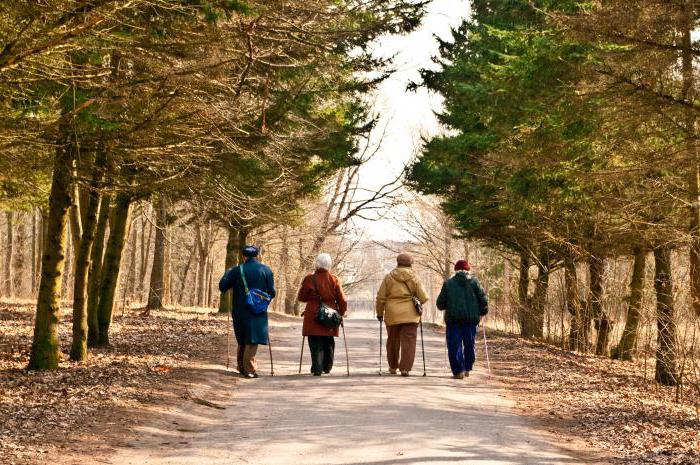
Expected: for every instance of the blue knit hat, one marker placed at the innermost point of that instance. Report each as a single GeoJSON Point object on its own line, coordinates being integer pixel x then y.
{"type": "Point", "coordinates": [250, 251]}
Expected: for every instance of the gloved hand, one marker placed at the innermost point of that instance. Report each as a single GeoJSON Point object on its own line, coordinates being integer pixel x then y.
{"type": "Point", "coordinates": [380, 318]}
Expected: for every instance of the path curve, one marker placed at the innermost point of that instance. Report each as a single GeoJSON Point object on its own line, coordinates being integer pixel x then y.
{"type": "Point", "coordinates": [363, 419]}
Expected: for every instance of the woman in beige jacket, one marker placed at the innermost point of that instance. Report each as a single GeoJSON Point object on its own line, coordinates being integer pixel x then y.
{"type": "Point", "coordinates": [395, 307]}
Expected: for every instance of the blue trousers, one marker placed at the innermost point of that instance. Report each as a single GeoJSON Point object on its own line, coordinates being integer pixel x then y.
{"type": "Point", "coordinates": [461, 338]}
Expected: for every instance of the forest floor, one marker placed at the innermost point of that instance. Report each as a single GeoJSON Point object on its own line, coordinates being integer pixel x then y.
{"type": "Point", "coordinates": [162, 394]}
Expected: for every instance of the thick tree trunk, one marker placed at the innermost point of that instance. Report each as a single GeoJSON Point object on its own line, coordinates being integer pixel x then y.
{"type": "Point", "coordinates": [91, 206]}
{"type": "Point", "coordinates": [628, 343]}
{"type": "Point", "coordinates": [233, 248]}
{"type": "Point", "coordinates": [666, 371]}
{"type": "Point", "coordinates": [523, 285]}
{"type": "Point", "coordinates": [596, 268]}
{"type": "Point", "coordinates": [534, 324]}
{"type": "Point", "coordinates": [45, 353]}
{"type": "Point", "coordinates": [577, 333]}
{"type": "Point", "coordinates": [9, 248]}
{"type": "Point", "coordinates": [118, 231]}
{"type": "Point", "coordinates": [156, 288]}
{"type": "Point", "coordinates": [95, 272]}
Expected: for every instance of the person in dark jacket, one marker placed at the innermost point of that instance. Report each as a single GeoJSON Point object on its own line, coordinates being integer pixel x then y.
{"type": "Point", "coordinates": [324, 286]}
{"type": "Point", "coordinates": [250, 329]}
{"type": "Point", "coordinates": [464, 302]}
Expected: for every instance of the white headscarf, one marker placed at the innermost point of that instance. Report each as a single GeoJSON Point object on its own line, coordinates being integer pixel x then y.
{"type": "Point", "coordinates": [324, 262]}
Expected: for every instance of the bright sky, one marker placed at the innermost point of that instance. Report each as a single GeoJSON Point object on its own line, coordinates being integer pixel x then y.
{"type": "Point", "coordinates": [406, 116]}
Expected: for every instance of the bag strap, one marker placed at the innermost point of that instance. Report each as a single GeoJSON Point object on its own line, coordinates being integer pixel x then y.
{"type": "Point", "coordinates": [320, 299]}
{"type": "Point", "coordinates": [245, 283]}
{"type": "Point", "coordinates": [409, 289]}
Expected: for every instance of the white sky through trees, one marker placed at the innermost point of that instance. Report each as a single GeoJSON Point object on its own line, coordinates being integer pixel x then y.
{"type": "Point", "coordinates": [406, 116]}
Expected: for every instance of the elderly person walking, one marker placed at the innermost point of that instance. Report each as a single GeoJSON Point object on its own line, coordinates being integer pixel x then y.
{"type": "Point", "coordinates": [250, 328]}
{"type": "Point", "coordinates": [321, 286]}
{"type": "Point", "coordinates": [464, 302]}
{"type": "Point", "coordinates": [396, 308]}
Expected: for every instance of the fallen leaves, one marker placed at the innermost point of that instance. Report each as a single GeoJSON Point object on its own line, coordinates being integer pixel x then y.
{"type": "Point", "coordinates": [607, 403]}
{"type": "Point", "coordinates": [40, 411]}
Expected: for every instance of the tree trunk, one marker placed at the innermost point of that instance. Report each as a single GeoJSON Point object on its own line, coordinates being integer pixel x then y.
{"type": "Point", "coordinates": [95, 272]}
{"type": "Point", "coordinates": [131, 284]}
{"type": "Point", "coordinates": [118, 225]}
{"type": "Point", "coordinates": [78, 351]}
{"type": "Point", "coordinates": [186, 272]}
{"type": "Point", "coordinates": [666, 372]}
{"type": "Point", "coordinates": [577, 333]}
{"type": "Point", "coordinates": [34, 250]}
{"type": "Point", "coordinates": [688, 81]}
{"type": "Point", "coordinates": [145, 245]}
{"type": "Point", "coordinates": [45, 352]}
{"type": "Point", "coordinates": [628, 342]}
{"type": "Point", "coordinates": [596, 268]}
{"type": "Point", "coordinates": [233, 248]}
{"type": "Point", "coordinates": [167, 269]}
{"type": "Point", "coordinates": [9, 248]}
{"type": "Point", "coordinates": [534, 324]}
{"type": "Point", "coordinates": [156, 287]}
{"type": "Point", "coordinates": [19, 262]}
{"type": "Point", "coordinates": [523, 285]}
{"type": "Point", "coordinates": [210, 273]}
{"type": "Point", "coordinates": [202, 243]}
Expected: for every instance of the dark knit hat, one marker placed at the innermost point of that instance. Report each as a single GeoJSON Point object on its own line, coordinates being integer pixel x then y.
{"type": "Point", "coordinates": [404, 259]}
{"type": "Point", "coordinates": [250, 251]}
{"type": "Point", "coordinates": [462, 265]}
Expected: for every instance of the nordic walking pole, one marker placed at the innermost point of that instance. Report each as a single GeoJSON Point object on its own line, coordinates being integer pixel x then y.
{"type": "Point", "coordinates": [301, 356]}
{"type": "Point", "coordinates": [228, 341]}
{"type": "Point", "coordinates": [380, 347]}
{"type": "Point", "coordinates": [345, 343]}
{"type": "Point", "coordinates": [486, 347]}
{"type": "Point", "coordinates": [272, 366]}
{"type": "Point", "coordinates": [422, 346]}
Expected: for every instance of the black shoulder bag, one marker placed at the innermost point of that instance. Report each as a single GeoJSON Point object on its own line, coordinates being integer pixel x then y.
{"type": "Point", "coordinates": [326, 316]}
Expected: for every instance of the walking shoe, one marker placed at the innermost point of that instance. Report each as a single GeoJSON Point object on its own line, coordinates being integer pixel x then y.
{"type": "Point", "coordinates": [466, 374]}
{"type": "Point", "coordinates": [316, 373]}
{"type": "Point", "coordinates": [404, 373]}
{"type": "Point", "coordinates": [458, 376]}
{"type": "Point", "coordinates": [392, 371]}
{"type": "Point", "coordinates": [251, 375]}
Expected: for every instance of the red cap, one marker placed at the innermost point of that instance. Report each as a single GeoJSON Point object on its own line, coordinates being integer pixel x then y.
{"type": "Point", "coordinates": [462, 265]}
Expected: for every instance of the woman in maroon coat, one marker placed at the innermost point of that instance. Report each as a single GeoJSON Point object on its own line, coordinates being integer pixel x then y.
{"type": "Point", "coordinates": [321, 339]}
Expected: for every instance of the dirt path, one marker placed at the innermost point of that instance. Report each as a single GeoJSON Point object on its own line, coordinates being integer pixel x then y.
{"type": "Point", "coordinates": [363, 419]}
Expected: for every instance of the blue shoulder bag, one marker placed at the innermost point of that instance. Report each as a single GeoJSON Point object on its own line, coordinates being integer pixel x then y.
{"type": "Point", "coordinates": [257, 299]}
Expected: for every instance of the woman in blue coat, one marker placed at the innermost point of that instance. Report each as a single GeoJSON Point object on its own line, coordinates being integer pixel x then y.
{"type": "Point", "coordinates": [250, 329]}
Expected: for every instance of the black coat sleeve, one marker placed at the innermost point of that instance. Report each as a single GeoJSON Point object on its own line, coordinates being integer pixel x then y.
{"type": "Point", "coordinates": [441, 302]}
{"type": "Point", "coordinates": [227, 280]}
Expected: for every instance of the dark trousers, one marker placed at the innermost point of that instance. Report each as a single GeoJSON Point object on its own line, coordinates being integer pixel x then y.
{"type": "Point", "coordinates": [461, 338]}
{"type": "Point", "coordinates": [401, 345]}
{"type": "Point", "coordinates": [322, 349]}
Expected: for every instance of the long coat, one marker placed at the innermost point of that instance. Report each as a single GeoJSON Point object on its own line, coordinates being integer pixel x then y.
{"type": "Point", "coordinates": [463, 300]}
{"type": "Point", "coordinates": [249, 328]}
{"type": "Point", "coordinates": [331, 292]}
{"type": "Point", "coordinates": [395, 297]}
